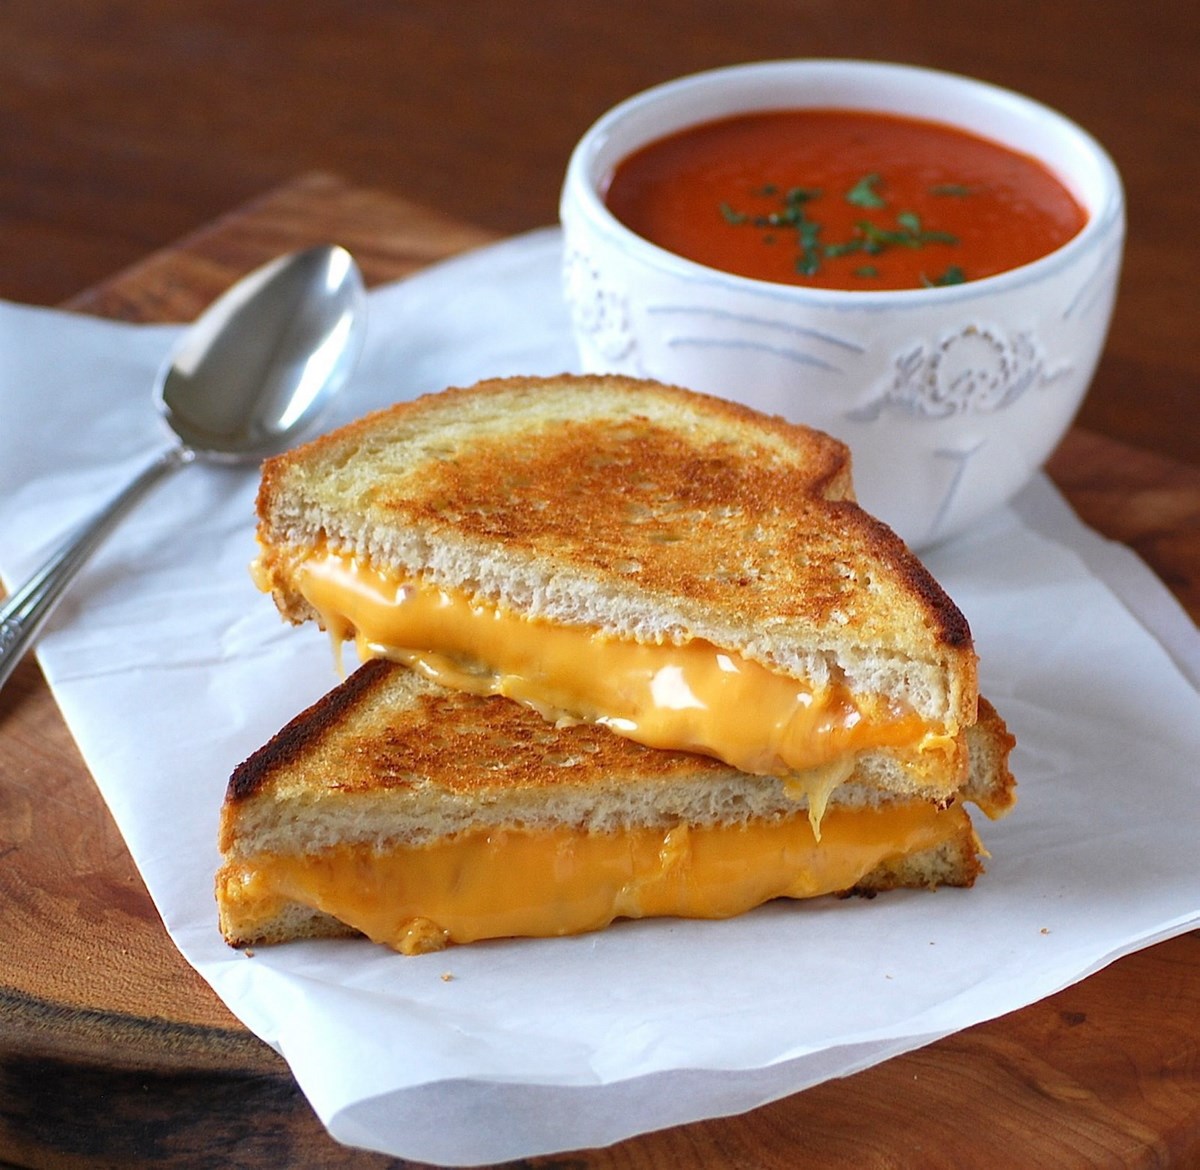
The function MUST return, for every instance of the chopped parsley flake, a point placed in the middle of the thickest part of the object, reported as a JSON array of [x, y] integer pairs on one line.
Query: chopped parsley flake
[[953, 275], [863, 193], [869, 237]]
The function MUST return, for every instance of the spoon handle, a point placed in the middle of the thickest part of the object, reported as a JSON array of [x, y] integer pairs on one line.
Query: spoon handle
[[23, 614]]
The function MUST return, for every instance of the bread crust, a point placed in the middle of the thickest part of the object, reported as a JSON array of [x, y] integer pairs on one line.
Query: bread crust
[[390, 757]]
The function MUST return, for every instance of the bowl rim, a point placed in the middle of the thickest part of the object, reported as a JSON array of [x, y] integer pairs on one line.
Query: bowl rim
[[1104, 225]]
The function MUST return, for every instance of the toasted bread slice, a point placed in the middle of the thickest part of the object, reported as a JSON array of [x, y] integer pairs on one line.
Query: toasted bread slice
[[420, 816], [575, 541]]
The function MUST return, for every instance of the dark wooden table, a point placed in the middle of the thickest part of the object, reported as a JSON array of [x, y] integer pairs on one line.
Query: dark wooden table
[[126, 126]]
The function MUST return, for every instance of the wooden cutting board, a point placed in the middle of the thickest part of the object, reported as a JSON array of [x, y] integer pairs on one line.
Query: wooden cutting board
[[113, 1052]]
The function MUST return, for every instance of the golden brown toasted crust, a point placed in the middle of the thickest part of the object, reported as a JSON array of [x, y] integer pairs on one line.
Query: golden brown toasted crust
[[643, 509], [244, 926], [303, 734], [989, 782], [388, 755], [955, 862], [824, 461], [388, 728]]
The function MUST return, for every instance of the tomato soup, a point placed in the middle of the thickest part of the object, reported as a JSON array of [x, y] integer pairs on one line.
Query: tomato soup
[[843, 199]]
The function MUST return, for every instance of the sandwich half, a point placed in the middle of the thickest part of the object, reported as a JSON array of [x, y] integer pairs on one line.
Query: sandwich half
[[678, 569], [422, 817]]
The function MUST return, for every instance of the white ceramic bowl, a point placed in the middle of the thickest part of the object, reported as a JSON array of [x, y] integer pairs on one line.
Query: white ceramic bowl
[[949, 398]]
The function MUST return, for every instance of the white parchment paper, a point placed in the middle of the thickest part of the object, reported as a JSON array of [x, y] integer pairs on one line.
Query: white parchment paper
[[170, 668]]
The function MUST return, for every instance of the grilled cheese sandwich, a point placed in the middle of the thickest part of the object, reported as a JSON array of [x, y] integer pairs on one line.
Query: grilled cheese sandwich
[[420, 817], [731, 684]]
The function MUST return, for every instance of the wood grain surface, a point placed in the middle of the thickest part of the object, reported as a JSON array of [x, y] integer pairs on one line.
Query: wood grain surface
[[113, 1052]]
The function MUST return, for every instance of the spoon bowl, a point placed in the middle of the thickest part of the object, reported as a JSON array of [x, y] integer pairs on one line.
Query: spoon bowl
[[264, 361], [254, 372]]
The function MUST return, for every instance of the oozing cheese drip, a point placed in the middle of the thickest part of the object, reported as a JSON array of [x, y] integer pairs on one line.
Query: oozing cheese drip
[[691, 697], [518, 883]]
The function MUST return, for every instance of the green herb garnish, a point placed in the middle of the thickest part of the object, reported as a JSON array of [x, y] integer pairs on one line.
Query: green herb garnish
[[803, 194], [958, 190], [809, 261], [910, 234], [863, 193], [953, 275], [870, 238], [792, 216]]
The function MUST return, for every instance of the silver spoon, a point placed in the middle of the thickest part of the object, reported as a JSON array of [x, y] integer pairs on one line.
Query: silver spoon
[[255, 370]]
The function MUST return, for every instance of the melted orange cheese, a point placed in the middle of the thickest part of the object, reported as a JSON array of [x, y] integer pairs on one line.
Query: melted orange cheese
[[522, 883], [690, 697]]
